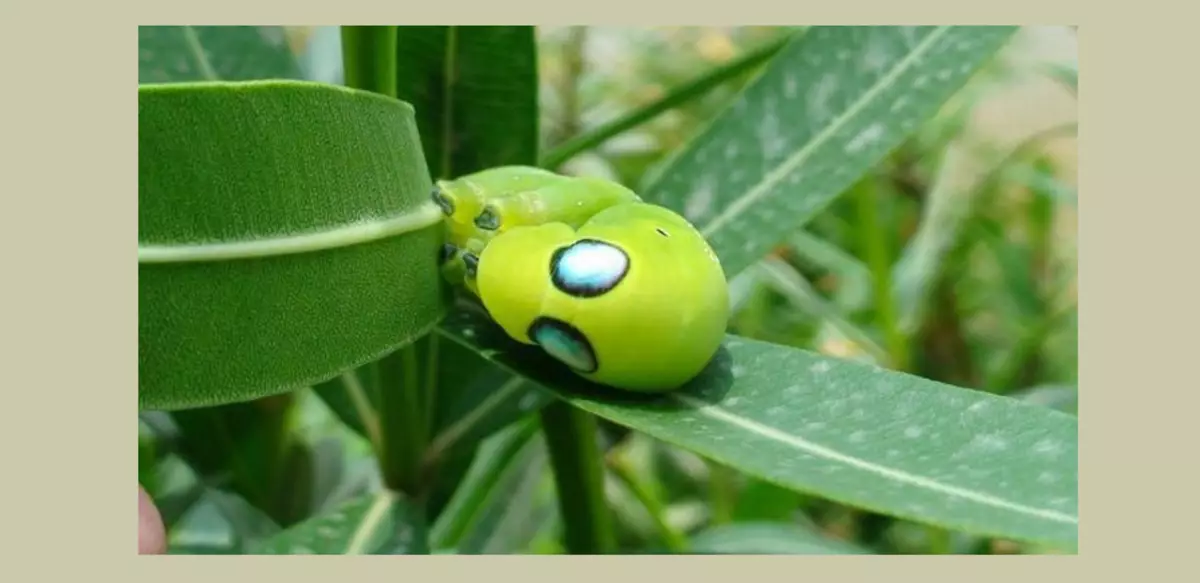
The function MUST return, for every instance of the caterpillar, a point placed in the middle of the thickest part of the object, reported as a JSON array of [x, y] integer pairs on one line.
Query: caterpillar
[[625, 293]]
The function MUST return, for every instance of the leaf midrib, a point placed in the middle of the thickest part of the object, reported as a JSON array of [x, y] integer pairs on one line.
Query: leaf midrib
[[893, 474], [787, 166], [416, 219]]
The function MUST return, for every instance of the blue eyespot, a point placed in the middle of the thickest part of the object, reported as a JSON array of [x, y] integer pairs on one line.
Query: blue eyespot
[[565, 343], [588, 268]]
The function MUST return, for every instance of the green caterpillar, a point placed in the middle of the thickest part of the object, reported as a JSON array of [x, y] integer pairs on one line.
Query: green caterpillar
[[625, 293]]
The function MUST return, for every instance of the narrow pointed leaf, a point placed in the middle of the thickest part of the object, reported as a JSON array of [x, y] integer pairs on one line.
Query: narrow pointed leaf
[[475, 90], [376, 523], [854, 433], [214, 53], [829, 107], [285, 235], [769, 538]]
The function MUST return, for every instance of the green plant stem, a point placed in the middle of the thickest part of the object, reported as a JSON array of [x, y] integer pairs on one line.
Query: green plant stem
[[871, 235], [579, 477], [671, 538], [403, 425], [940, 541], [695, 88], [369, 58], [721, 492]]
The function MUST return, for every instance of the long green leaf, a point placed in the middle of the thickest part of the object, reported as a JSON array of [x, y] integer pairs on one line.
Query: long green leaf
[[285, 234], [475, 90], [829, 106], [769, 538], [214, 53], [377, 523], [861, 435], [676, 97]]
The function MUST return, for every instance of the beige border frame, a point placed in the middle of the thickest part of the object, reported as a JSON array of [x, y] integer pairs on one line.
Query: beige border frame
[[72, 140]]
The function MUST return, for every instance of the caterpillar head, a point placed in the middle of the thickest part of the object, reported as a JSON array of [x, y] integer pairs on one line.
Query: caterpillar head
[[634, 299]]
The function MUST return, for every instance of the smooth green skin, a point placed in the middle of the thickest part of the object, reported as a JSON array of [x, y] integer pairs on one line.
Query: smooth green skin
[[463, 198], [656, 330]]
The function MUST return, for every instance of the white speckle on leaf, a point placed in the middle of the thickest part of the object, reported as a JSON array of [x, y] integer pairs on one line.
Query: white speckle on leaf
[[793, 390], [815, 426], [921, 81], [773, 142], [328, 532], [1048, 447], [843, 55], [965, 68], [468, 332], [818, 99], [737, 370], [790, 87], [893, 453], [865, 138], [182, 66], [820, 367], [876, 56], [899, 103], [731, 151], [301, 550], [776, 411], [943, 74], [1047, 478], [858, 415], [910, 35], [1060, 502], [913, 432], [145, 54], [858, 437], [699, 203], [527, 402], [732, 401], [977, 407], [989, 442]]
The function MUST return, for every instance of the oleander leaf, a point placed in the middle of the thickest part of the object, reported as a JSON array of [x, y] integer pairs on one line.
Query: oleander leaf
[[285, 234], [854, 433], [828, 108]]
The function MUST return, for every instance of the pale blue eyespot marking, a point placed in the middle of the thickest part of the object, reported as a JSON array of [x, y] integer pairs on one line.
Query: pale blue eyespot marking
[[588, 268], [563, 342]]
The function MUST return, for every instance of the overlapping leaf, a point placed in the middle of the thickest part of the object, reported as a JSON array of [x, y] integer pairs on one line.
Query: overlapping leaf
[[850, 432], [829, 107]]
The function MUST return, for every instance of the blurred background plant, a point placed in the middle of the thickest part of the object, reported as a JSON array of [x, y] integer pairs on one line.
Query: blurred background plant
[[970, 225]]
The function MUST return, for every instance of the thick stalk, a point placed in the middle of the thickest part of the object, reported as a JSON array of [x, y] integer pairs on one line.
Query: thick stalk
[[579, 475]]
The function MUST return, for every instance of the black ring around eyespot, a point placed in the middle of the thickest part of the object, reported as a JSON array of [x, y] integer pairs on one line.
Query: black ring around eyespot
[[585, 291], [544, 324]]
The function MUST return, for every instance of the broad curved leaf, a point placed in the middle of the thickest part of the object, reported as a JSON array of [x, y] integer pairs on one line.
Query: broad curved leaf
[[854, 433], [285, 234], [829, 107]]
